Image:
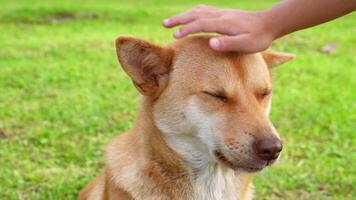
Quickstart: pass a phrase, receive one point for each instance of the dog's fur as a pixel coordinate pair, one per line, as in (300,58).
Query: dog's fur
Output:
(200,113)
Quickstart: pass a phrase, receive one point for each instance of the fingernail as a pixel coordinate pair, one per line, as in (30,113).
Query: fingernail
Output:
(167,22)
(215,43)
(178,34)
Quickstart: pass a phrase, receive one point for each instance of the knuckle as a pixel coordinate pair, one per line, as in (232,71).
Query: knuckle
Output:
(183,29)
(184,18)
(186,29)
(199,24)
(175,18)
(222,41)
(227,42)
(180,20)
(204,25)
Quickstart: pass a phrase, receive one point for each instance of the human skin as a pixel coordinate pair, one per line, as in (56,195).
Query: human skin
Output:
(254,31)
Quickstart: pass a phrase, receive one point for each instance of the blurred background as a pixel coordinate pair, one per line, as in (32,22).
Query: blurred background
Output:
(63,96)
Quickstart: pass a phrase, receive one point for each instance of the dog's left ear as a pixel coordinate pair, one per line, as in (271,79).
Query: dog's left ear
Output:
(147,64)
(274,59)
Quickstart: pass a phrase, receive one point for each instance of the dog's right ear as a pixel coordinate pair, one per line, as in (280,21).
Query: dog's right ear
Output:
(147,64)
(274,59)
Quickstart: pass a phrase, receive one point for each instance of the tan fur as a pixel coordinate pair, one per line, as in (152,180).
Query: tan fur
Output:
(146,163)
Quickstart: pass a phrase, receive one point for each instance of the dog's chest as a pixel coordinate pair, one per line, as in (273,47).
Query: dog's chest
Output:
(214,182)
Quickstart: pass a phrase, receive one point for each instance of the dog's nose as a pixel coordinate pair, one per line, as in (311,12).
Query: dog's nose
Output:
(268,149)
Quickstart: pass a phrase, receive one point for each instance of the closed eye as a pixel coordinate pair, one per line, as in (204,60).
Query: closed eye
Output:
(217,95)
(265,93)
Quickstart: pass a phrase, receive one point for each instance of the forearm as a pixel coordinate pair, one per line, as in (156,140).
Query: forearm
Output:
(292,15)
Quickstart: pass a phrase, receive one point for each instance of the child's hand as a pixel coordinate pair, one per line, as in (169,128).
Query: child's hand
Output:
(250,32)
(242,30)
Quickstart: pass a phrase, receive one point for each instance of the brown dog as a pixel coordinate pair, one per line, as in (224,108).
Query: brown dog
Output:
(202,128)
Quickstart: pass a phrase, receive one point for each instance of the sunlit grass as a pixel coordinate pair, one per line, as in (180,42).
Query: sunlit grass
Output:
(63,97)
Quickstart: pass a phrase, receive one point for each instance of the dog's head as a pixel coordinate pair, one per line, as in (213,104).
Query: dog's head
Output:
(216,102)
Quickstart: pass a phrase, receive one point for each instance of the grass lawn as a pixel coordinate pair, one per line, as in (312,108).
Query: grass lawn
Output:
(63,97)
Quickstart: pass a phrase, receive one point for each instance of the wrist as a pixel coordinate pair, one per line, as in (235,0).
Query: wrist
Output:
(271,27)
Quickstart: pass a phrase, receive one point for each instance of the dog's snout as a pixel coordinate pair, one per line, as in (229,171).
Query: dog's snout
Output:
(268,149)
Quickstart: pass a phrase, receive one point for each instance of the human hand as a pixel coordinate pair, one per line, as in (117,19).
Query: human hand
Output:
(243,31)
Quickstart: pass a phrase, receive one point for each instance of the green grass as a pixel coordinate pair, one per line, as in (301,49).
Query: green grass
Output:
(63,97)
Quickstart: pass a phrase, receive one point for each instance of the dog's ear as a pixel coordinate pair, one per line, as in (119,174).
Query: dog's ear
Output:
(274,59)
(147,64)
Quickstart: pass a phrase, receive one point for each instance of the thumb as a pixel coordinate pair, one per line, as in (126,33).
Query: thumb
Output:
(241,43)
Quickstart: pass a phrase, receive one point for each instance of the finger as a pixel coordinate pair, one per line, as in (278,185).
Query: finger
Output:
(195,13)
(202,25)
(241,43)
(182,18)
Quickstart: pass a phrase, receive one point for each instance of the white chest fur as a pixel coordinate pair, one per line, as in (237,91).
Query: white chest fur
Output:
(212,180)
(216,182)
